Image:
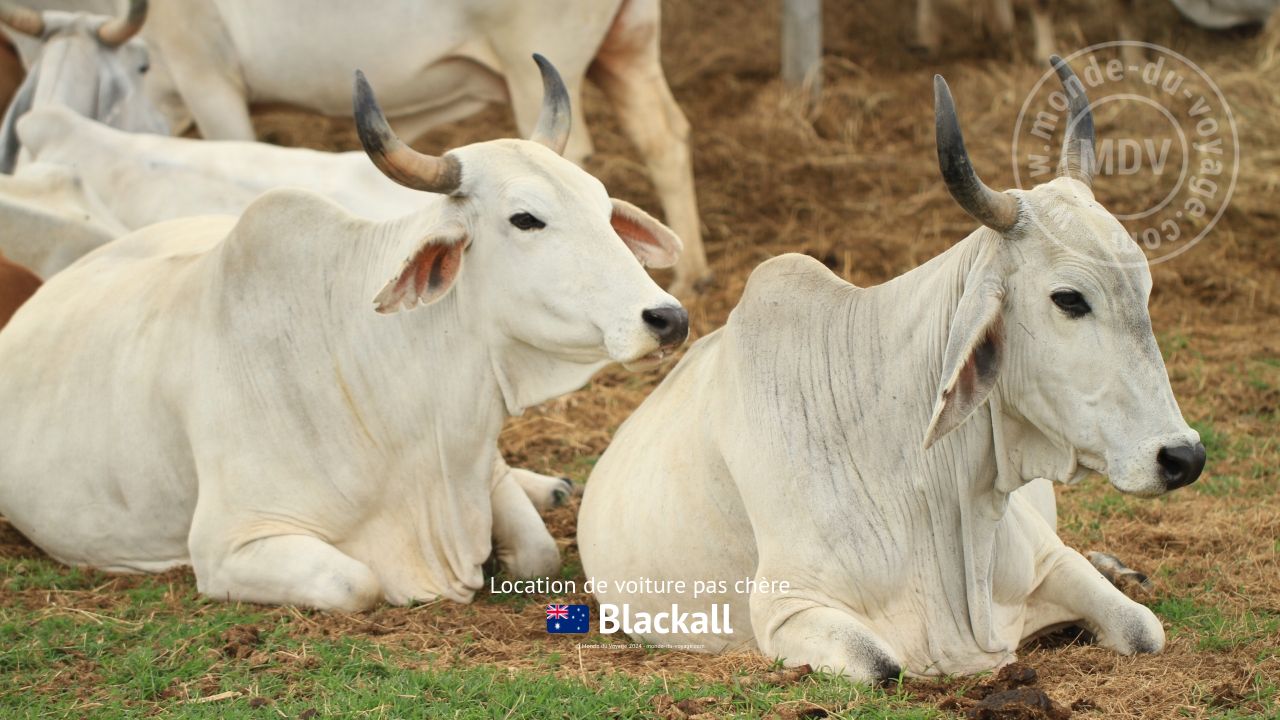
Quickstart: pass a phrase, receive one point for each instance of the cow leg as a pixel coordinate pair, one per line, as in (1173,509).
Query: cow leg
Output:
(544,491)
(628,68)
(285,570)
(1132,55)
(219,108)
(520,539)
(203,66)
(1042,26)
(1073,590)
(999,24)
(927,36)
(822,637)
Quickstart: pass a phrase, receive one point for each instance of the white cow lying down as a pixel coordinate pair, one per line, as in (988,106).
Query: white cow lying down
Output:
(221,392)
(787,445)
(143,179)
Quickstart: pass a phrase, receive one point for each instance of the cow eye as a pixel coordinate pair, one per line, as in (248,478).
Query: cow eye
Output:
(1071,302)
(525,221)
(143,68)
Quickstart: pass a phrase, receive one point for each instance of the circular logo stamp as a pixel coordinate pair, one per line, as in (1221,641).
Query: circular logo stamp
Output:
(1166,153)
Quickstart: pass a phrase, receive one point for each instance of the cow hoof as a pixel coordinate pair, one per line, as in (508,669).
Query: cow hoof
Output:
(561,494)
(887,672)
(1138,632)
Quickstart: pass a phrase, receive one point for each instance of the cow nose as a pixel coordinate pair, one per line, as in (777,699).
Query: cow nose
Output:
(1181,464)
(668,323)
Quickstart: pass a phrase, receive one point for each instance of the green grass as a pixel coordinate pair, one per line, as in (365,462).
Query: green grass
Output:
(1211,628)
(161,652)
(1214,441)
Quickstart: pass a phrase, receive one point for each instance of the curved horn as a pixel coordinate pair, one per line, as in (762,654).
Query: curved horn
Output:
(395,159)
(556,119)
(23,19)
(996,210)
(1077,147)
(117,31)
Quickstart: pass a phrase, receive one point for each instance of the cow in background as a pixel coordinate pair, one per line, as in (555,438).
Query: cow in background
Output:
(90,63)
(438,61)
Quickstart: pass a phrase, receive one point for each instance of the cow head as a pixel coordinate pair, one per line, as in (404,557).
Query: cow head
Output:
(1053,323)
(540,230)
(90,63)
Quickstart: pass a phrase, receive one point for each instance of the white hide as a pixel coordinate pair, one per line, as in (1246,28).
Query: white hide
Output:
(145,178)
(221,392)
(73,68)
(49,219)
(789,446)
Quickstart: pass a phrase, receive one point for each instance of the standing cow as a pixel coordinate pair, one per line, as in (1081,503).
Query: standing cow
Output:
(877,449)
(304,404)
(437,61)
(92,64)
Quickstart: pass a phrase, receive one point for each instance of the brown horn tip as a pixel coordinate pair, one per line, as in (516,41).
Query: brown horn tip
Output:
(389,154)
(556,118)
(23,19)
(996,210)
(117,31)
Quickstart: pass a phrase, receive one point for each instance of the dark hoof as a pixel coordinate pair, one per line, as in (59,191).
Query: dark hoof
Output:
(561,495)
(887,673)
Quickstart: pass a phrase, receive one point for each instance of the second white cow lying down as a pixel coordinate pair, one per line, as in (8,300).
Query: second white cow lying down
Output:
(222,392)
(873,447)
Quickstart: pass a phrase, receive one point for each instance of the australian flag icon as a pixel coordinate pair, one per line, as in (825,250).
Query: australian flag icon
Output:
(568,619)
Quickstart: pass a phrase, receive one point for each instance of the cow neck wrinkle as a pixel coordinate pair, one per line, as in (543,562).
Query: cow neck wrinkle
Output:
(961,467)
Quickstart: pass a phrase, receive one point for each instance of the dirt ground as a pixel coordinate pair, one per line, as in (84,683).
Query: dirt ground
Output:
(855,183)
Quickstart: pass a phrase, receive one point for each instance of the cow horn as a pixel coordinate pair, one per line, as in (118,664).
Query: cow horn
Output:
(1077,147)
(23,19)
(553,125)
(117,31)
(395,159)
(996,210)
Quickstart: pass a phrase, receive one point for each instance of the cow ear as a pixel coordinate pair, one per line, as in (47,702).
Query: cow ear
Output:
(427,274)
(653,243)
(974,354)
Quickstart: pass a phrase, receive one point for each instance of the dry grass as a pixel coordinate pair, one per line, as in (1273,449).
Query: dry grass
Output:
(855,183)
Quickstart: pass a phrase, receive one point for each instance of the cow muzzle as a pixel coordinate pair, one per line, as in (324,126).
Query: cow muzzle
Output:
(669,324)
(1180,465)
